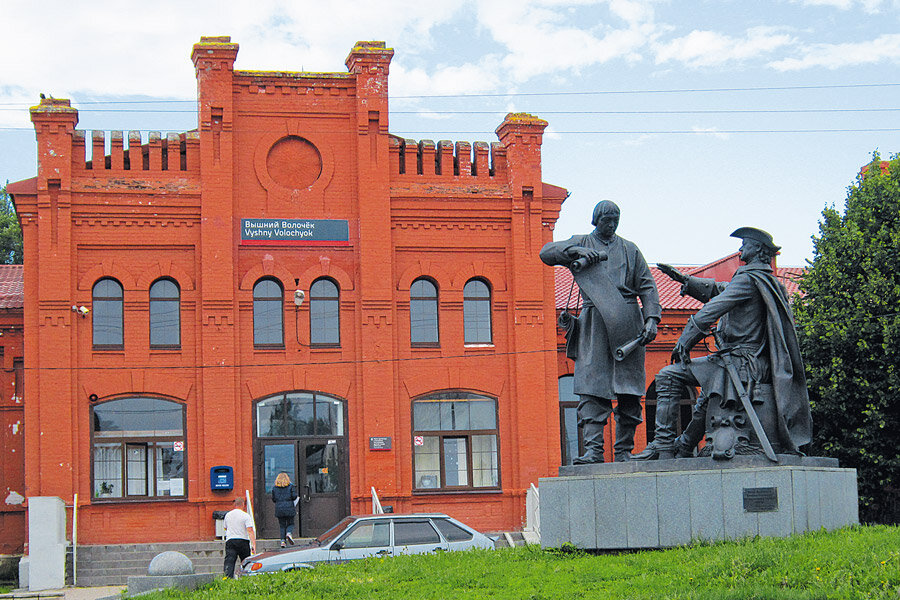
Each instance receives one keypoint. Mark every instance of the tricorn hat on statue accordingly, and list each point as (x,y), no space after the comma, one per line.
(757,235)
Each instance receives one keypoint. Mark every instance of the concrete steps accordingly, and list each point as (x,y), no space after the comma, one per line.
(112,564)
(508,539)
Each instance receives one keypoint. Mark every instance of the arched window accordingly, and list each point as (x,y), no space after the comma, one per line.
(268,313)
(570,437)
(324,313)
(297,414)
(165,314)
(455,441)
(423,313)
(138,449)
(477,312)
(107,314)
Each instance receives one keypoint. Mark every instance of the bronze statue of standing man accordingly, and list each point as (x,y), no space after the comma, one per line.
(612,275)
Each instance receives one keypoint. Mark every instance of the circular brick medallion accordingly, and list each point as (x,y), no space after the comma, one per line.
(294,163)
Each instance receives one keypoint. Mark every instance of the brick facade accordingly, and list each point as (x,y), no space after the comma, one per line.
(133,209)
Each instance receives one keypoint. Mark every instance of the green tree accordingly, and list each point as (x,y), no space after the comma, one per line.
(10,232)
(849,327)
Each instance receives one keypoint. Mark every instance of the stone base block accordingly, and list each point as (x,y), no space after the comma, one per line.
(138,584)
(660,504)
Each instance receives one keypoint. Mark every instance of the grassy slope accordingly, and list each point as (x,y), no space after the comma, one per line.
(859,562)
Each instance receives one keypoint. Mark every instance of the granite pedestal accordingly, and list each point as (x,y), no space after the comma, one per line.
(665,503)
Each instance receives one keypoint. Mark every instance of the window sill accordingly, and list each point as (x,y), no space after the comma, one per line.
(165,349)
(133,499)
(478,346)
(425,346)
(457,492)
(118,348)
(269,348)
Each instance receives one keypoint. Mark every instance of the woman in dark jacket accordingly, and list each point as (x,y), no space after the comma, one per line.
(284,495)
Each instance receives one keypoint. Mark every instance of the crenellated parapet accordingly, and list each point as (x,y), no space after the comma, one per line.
(446,160)
(159,153)
(67,152)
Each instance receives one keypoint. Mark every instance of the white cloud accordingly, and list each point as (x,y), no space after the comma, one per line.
(470,78)
(550,133)
(835,56)
(869,6)
(710,131)
(709,48)
(540,39)
(107,47)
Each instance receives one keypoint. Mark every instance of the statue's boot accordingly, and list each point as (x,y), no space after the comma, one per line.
(593,444)
(624,443)
(654,452)
(663,445)
(694,432)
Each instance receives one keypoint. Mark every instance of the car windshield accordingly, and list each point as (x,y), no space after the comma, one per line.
(335,531)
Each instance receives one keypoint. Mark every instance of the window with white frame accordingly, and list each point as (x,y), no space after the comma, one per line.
(455,442)
(138,449)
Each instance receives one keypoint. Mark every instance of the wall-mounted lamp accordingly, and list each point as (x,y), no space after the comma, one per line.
(299,297)
(81,310)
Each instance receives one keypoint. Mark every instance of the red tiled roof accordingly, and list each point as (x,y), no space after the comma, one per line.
(669,291)
(12,286)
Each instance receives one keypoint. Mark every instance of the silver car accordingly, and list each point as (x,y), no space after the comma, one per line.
(373,535)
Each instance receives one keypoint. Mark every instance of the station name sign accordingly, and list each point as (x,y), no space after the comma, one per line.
(295,232)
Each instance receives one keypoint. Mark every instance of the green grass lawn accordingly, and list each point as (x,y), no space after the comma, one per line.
(856,562)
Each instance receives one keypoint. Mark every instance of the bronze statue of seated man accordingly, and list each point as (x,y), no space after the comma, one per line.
(754,398)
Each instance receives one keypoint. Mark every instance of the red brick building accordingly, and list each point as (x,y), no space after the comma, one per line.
(12,412)
(287,287)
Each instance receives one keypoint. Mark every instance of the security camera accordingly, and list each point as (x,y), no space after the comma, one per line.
(299,297)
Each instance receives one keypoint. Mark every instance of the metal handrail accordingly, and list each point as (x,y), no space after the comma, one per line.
(376,503)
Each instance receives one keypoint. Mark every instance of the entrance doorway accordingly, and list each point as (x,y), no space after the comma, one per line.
(302,434)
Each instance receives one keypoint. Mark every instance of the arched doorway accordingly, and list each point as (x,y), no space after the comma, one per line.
(303,434)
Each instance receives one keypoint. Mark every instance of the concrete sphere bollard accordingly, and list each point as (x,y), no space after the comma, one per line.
(170,563)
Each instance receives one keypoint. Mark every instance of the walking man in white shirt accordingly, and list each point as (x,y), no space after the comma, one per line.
(240,538)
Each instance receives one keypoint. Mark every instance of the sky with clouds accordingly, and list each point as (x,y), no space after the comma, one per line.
(695,117)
